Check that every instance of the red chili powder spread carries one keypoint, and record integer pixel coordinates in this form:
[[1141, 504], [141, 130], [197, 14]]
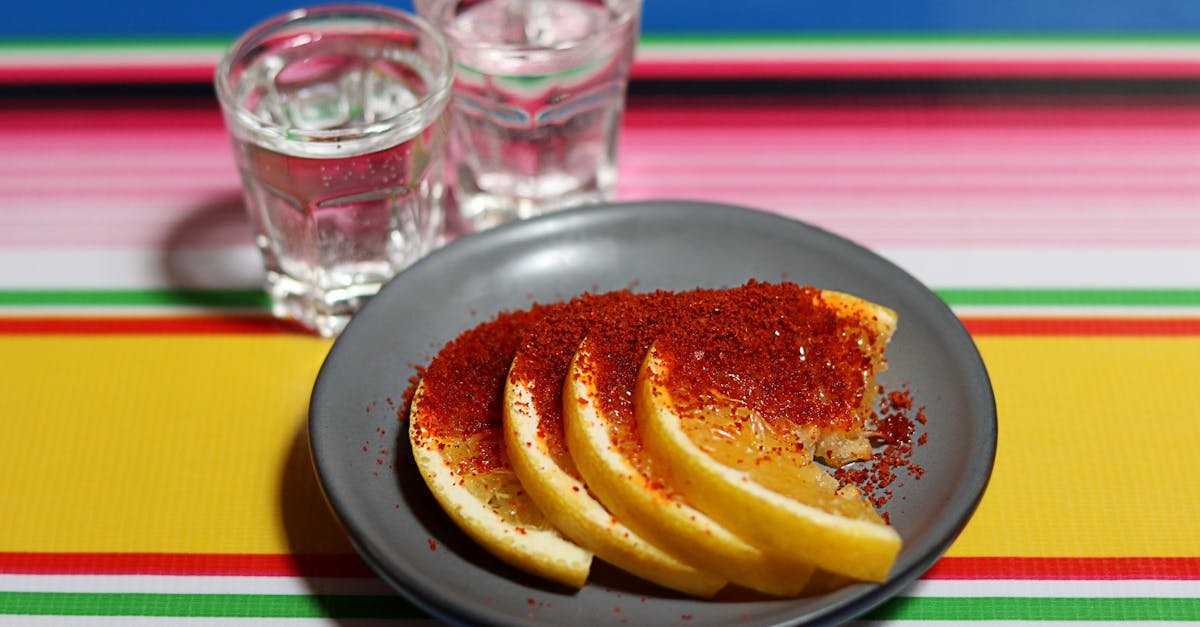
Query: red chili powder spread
[[742, 343], [777, 349], [548, 346], [618, 344], [464, 384]]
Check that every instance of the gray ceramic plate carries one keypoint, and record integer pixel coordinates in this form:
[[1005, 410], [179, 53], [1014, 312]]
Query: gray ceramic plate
[[391, 517]]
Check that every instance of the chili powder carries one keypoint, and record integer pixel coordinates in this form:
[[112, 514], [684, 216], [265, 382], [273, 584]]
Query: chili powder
[[627, 322], [463, 387], [777, 349]]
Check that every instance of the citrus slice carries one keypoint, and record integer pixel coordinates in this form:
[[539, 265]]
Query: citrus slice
[[491, 506], [735, 417], [534, 443], [455, 429], [873, 324], [606, 447]]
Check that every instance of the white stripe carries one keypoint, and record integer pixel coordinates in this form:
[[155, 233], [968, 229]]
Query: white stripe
[[1035, 267], [132, 56], [240, 267], [1085, 311], [1053, 588], [131, 267], [1019, 623], [189, 584], [184, 584]]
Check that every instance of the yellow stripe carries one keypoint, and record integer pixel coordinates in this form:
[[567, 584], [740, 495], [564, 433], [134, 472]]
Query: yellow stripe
[[160, 443], [1097, 452], [109, 444]]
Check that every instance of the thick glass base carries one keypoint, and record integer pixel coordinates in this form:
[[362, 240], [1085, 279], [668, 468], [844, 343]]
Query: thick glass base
[[481, 206], [325, 311]]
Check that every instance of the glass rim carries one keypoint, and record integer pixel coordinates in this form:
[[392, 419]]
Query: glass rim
[[437, 7], [436, 97]]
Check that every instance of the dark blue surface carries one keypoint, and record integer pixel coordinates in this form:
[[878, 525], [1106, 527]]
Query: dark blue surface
[[76, 18]]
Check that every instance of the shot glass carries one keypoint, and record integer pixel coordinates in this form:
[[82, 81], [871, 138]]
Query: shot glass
[[538, 96], [339, 121]]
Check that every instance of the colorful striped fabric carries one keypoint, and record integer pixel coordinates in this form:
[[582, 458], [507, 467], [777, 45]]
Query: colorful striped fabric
[[683, 56], [155, 463]]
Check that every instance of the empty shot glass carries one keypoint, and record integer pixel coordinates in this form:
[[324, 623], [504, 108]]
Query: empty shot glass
[[538, 97], [339, 121]]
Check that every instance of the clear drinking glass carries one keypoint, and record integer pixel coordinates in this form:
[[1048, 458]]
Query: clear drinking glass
[[339, 122], [538, 97]]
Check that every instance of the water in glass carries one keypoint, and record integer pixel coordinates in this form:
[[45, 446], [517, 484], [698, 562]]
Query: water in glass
[[539, 93], [338, 216]]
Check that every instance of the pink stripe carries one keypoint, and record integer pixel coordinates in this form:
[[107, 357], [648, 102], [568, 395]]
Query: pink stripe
[[797, 184], [657, 112], [136, 174], [868, 186], [101, 172], [954, 207], [718, 111], [783, 172]]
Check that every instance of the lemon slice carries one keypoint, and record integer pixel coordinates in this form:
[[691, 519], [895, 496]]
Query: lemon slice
[[490, 505], [810, 520], [879, 323], [607, 451], [548, 475], [757, 477]]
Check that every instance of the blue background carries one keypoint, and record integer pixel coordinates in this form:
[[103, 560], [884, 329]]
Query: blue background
[[224, 18]]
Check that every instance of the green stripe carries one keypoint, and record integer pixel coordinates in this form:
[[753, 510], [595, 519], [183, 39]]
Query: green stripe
[[957, 296], [669, 39], [1069, 297], [1024, 608], [206, 605], [336, 606], [143, 297]]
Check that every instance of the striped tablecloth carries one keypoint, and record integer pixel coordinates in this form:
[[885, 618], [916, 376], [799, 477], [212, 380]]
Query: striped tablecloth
[[154, 463]]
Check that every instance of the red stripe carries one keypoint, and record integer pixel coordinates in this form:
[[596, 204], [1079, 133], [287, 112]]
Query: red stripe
[[943, 68], [1066, 568], [345, 566], [1082, 326], [65, 74], [149, 325], [197, 72], [253, 324], [211, 564]]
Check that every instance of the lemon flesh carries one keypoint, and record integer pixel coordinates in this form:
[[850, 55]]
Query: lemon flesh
[[492, 507], [758, 478], [554, 484], [607, 452]]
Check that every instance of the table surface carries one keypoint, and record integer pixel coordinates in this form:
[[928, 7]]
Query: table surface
[[1046, 184]]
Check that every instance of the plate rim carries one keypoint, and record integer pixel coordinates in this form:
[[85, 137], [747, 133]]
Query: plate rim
[[871, 596]]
